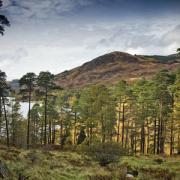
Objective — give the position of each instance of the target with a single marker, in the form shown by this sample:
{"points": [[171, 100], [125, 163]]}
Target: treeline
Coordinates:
{"points": [[144, 117]]}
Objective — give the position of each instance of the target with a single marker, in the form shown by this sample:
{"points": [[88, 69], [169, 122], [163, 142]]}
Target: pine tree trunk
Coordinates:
{"points": [[0, 115], [42, 133], [75, 119], [178, 143], [49, 134], [6, 120], [127, 134], [148, 137], [158, 137], [135, 139], [161, 144], [29, 117], [118, 124], [142, 138], [53, 133], [123, 121], [155, 136], [172, 129], [45, 119], [13, 127], [61, 134], [91, 134]]}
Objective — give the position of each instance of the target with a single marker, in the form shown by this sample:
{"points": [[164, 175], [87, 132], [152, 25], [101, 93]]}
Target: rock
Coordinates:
{"points": [[133, 172], [129, 176]]}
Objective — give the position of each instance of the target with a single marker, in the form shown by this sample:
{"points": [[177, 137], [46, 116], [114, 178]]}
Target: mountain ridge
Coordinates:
{"points": [[115, 66]]}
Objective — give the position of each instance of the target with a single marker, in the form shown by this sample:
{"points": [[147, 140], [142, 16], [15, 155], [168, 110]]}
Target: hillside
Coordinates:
{"points": [[115, 66]]}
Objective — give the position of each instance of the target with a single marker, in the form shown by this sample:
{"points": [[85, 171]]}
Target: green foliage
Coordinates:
{"points": [[44, 80], [3, 21], [178, 50], [104, 153]]}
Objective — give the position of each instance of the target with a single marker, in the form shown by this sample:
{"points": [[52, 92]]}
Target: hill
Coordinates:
{"points": [[115, 66]]}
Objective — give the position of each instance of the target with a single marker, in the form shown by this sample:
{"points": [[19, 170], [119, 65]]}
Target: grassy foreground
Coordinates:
{"points": [[54, 165]]}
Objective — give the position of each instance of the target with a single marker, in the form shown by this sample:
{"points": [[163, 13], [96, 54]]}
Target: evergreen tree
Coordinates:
{"points": [[3, 93], [45, 82], [27, 83], [3, 21]]}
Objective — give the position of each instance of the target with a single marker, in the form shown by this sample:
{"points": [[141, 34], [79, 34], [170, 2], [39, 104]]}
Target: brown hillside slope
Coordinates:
{"points": [[112, 67]]}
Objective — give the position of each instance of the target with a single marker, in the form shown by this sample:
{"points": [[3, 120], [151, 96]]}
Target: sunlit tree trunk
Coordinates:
{"points": [[118, 124], [123, 122], [172, 129], [148, 137], [75, 129], [158, 136], [161, 144], [155, 135], [127, 135]]}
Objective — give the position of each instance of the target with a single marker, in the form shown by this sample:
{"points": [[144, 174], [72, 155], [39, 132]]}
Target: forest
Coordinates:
{"points": [[102, 122], [143, 117]]}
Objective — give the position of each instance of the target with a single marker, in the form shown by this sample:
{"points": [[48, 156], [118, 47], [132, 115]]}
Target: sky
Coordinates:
{"points": [[58, 35]]}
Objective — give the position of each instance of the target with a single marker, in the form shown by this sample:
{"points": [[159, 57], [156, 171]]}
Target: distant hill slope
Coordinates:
{"points": [[112, 67]]}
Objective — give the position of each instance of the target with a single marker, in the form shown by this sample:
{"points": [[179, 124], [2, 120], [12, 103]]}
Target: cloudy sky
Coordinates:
{"points": [[57, 35]]}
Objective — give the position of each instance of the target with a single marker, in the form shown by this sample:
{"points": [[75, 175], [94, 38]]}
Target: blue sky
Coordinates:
{"points": [[57, 35]]}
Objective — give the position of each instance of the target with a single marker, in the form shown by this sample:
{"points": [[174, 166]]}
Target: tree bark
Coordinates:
{"points": [[6, 120], [123, 121], [29, 117], [172, 129], [155, 136], [0, 114], [45, 118], [118, 124], [75, 121]]}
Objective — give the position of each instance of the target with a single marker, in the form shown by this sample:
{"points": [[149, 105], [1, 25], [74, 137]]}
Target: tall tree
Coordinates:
{"points": [[163, 80], [178, 51], [16, 118], [45, 82], [121, 93], [27, 82], [75, 107], [88, 111], [35, 118], [3, 92]]}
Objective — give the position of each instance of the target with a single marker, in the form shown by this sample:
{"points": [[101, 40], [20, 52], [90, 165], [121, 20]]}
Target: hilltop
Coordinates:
{"points": [[115, 66]]}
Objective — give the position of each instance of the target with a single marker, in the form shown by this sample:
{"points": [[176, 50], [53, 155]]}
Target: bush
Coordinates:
{"points": [[158, 160], [104, 153]]}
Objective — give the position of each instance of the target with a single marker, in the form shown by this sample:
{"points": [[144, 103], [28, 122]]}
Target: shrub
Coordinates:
{"points": [[104, 153], [158, 160]]}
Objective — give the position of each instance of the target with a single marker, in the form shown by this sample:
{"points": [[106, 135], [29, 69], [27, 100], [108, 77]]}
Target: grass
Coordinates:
{"points": [[55, 165]]}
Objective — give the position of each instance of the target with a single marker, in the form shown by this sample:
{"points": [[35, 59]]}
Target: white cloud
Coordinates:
{"points": [[42, 37], [9, 58]]}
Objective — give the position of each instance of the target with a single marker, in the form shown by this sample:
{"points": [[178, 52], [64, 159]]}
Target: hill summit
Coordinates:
{"points": [[115, 66]]}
